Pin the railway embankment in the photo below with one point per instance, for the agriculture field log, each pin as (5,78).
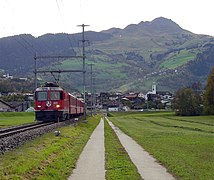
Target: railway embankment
(12,138)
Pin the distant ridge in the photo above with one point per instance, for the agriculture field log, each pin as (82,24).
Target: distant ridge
(158,25)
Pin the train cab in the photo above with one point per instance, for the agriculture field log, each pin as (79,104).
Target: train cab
(51,102)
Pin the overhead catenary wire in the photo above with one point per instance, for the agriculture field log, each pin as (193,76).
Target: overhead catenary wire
(64,25)
(34,49)
(30,46)
(60,13)
(26,45)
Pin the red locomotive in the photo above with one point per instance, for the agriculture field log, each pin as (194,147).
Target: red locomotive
(52,103)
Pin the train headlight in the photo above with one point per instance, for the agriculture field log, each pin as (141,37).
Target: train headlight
(39,106)
(57,106)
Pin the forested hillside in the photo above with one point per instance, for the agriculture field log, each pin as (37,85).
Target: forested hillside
(124,59)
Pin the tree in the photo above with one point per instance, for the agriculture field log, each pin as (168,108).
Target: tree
(187,103)
(209,94)
(126,103)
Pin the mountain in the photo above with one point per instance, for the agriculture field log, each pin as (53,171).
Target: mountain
(126,59)
(17,52)
(157,26)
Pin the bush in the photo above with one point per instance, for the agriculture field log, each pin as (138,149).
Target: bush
(209,95)
(187,103)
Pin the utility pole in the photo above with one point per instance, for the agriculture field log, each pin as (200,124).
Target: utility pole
(92,99)
(35,71)
(94,92)
(83,55)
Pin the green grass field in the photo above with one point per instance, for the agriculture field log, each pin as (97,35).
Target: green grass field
(183,144)
(49,156)
(15,118)
(117,164)
(178,60)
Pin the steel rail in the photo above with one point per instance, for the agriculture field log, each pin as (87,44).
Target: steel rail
(19,129)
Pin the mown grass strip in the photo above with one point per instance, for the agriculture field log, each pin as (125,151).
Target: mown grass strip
(182,127)
(185,152)
(208,122)
(118,164)
(50,156)
(8,119)
(188,125)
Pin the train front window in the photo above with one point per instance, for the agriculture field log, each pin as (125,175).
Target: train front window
(42,96)
(55,95)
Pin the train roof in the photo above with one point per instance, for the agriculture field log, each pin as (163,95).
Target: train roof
(72,95)
(81,99)
(49,88)
(51,84)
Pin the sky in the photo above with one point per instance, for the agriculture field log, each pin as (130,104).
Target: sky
(38,17)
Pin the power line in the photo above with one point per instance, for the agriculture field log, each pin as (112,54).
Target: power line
(58,57)
(25,47)
(30,50)
(63,22)
(30,45)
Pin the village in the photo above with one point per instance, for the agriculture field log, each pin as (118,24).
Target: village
(103,101)
(116,101)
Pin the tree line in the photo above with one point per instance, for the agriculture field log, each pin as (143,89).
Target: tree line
(188,102)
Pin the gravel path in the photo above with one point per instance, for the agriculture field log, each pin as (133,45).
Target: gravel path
(91,164)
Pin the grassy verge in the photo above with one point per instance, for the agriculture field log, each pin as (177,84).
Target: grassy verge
(50,156)
(118,163)
(15,118)
(183,144)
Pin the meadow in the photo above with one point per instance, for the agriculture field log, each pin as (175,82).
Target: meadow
(184,145)
(8,119)
(178,60)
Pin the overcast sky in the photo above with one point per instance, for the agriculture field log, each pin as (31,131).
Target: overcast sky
(38,17)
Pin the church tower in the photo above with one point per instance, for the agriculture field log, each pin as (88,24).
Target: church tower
(154,90)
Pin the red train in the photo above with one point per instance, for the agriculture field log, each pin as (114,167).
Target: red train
(52,103)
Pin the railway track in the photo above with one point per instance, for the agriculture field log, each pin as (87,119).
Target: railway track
(18,129)
(14,137)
